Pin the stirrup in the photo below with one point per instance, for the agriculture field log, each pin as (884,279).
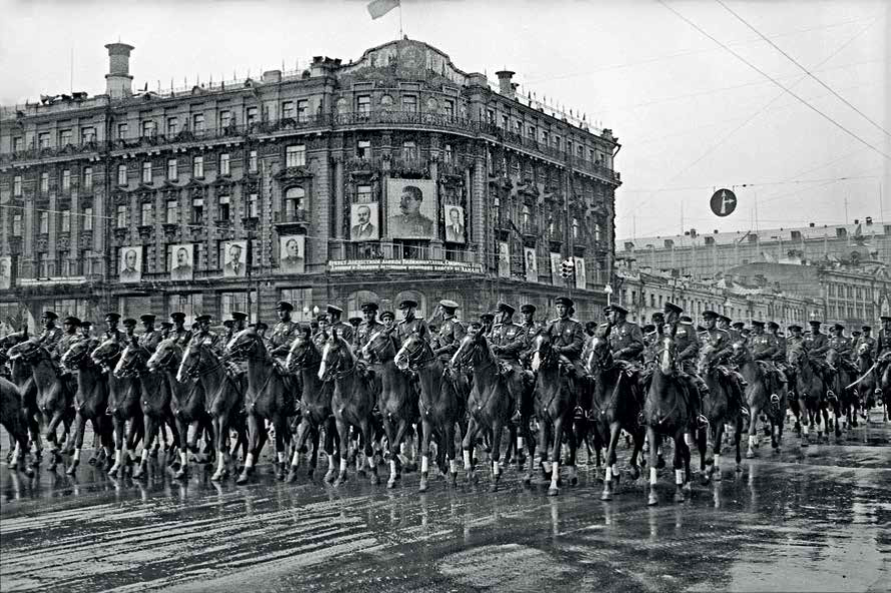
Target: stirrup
(831,394)
(774,398)
(702,422)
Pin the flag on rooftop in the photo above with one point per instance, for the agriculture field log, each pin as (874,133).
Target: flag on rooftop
(379,8)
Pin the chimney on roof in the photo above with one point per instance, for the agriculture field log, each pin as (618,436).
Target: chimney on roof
(505,86)
(118,81)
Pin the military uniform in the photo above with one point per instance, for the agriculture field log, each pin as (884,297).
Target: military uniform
(720,344)
(414,326)
(763,347)
(509,339)
(883,342)
(871,345)
(364,332)
(568,339)
(283,334)
(50,337)
(344,330)
(449,337)
(64,344)
(626,341)
(150,340)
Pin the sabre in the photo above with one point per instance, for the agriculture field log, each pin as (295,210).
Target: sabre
(865,375)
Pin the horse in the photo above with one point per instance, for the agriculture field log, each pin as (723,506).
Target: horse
(270,395)
(90,402)
(55,392)
(352,400)
(847,396)
(490,403)
(866,386)
(123,405)
(554,404)
(760,397)
(316,412)
(21,376)
(721,409)
(12,418)
(397,401)
(668,412)
(616,407)
(187,404)
(810,389)
(441,405)
(885,385)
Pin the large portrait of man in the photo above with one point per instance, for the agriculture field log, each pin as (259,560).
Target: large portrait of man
(5,272)
(131,264)
(531,264)
(292,254)
(364,222)
(454,220)
(411,208)
(555,269)
(581,275)
(503,259)
(182,262)
(234,258)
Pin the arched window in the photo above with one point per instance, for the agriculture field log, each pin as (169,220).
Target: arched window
(416,296)
(295,203)
(358,298)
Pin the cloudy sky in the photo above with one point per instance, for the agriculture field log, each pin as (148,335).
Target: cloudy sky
(690,115)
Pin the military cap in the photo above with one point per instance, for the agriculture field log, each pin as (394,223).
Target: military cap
(709,314)
(815,322)
(449,304)
(259,326)
(322,317)
(284,306)
(648,328)
(202,319)
(672,308)
(50,315)
(334,310)
(505,308)
(685,319)
(388,315)
(86,323)
(408,303)
(773,325)
(476,324)
(658,317)
(147,318)
(565,301)
(166,325)
(725,319)
(238,316)
(618,309)
(112,316)
(738,325)
(839,327)
(487,317)
(228,323)
(867,328)
(527,308)
(129,322)
(856,333)
(355,321)
(178,316)
(369,307)
(72,321)
(757,323)
(884,318)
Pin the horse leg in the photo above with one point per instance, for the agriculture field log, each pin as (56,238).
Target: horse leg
(343,431)
(753,425)
(426,435)
(367,429)
(497,432)
(151,433)
(450,451)
(612,472)
(394,449)
(530,447)
(332,448)
(554,489)
(299,441)
(717,434)
(702,436)
(653,498)
(79,423)
(55,457)
(220,432)
(680,445)
(467,448)
(191,445)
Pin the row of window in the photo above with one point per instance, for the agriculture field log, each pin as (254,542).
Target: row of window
(858,292)
(545,137)
(43,219)
(65,181)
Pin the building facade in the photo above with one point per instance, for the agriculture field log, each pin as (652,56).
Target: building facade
(394,176)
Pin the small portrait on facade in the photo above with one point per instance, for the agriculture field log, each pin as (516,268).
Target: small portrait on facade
(182,262)
(503,259)
(454,220)
(234,256)
(131,264)
(364,222)
(5,272)
(292,254)
(411,208)
(531,264)
(581,275)
(555,269)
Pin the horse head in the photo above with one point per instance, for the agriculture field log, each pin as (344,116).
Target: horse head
(245,345)
(739,352)
(336,357)
(106,352)
(12,339)
(132,361)
(191,365)
(166,356)
(414,352)
(864,353)
(472,350)
(303,352)
(668,354)
(77,355)
(542,351)
(600,355)
(29,351)
(379,347)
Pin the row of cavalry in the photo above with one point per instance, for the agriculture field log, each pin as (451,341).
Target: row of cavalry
(362,407)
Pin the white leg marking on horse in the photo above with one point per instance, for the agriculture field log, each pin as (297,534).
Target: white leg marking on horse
(118,455)
(688,439)
(393,469)
(519,444)
(679,477)
(751,441)
(717,461)
(249,462)
(183,458)
(280,456)
(466,460)
(555,474)
(145,454)
(654,476)
(295,458)
(609,474)
(370,460)
(18,452)
(496,469)
(343,464)
(331,462)
(453,466)
(547,466)
(425,464)
(615,470)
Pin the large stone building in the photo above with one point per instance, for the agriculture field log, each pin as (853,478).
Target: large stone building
(392,176)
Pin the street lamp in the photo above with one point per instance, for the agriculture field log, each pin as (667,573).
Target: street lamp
(609,293)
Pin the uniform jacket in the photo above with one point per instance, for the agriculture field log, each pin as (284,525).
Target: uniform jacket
(50,337)
(449,338)
(883,342)
(64,344)
(365,331)
(415,326)
(626,341)
(720,342)
(871,343)
(817,344)
(283,334)
(509,338)
(764,346)
(686,341)
(567,337)
(150,340)
(841,344)
(344,330)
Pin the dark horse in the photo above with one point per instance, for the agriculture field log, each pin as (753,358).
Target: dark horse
(12,418)
(352,400)
(23,378)
(885,385)
(847,395)
(865,386)
(720,409)
(123,404)
(616,408)
(398,400)
(187,405)
(554,405)
(271,395)
(667,412)
(55,393)
(156,396)
(809,386)
(90,402)
(440,405)
(763,396)
(316,412)
(490,403)
(223,398)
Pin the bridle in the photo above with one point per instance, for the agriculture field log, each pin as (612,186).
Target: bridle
(384,344)
(417,359)
(307,350)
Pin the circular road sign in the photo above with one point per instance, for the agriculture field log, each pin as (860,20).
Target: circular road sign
(723,202)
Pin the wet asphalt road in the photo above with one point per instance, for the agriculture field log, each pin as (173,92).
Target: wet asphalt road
(802,520)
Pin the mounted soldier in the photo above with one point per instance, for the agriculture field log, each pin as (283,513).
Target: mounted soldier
(842,345)
(179,331)
(687,344)
(130,330)
(112,332)
(487,320)
(69,335)
(568,339)
(86,333)
(446,342)
(51,334)
(720,349)
(627,345)
(369,326)
(388,321)
(817,344)
(344,330)
(284,332)
(411,324)
(151,338)
(261,328)
(322,330)
(764,349)
(165,331)
(530,329)
(508,340)
(866,338)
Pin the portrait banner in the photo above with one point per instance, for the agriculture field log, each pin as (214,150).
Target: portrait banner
(556,279)
(581,275)
(292,254)
(5,272)
(503,259)
(234,256)
(531,264)
(365,222)
(181,262)
(411,208)
(454,223)
(130,269)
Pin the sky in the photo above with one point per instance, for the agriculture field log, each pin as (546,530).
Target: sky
(691,116)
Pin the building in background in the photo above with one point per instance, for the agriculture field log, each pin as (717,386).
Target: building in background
(237,195)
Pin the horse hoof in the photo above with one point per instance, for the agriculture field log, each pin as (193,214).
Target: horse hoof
(553,491)
(140,469)
(92,461)
(216,477)
(739,469)
(292,477)
(242,479)
(688,487)
(652,500)
(750,454)
(180,474)
(453,480)
(679,496)
(374,479)
(606,495)
(635,473)
(29,472)
(71,470)
(391,483)
(422,486)
(717,476)
(705,479)
(493,487)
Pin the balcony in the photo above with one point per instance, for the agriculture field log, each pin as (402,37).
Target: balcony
(384,256)
(292,220)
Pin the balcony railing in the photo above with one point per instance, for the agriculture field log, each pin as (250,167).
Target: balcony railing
(383,255)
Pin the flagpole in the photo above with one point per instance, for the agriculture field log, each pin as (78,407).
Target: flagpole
(400,20)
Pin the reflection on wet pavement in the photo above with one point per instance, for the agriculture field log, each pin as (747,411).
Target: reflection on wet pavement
(818,519)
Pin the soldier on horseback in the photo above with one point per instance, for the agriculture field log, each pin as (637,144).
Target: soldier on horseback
(369,325)
(70,335)
(129,330)
(85,333)
(284,332)
(687,344)
(866,338)
(721,348)
(179,331)
(51,334)
(765,349)
(487,320)
(568,339)
(151,338)
(842,345)
(627,345)
(817,344)
(113,333)
(530,329)
(164,332)
(446,342)
(388,321)
(411,324)
(344,330)
(508,340)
